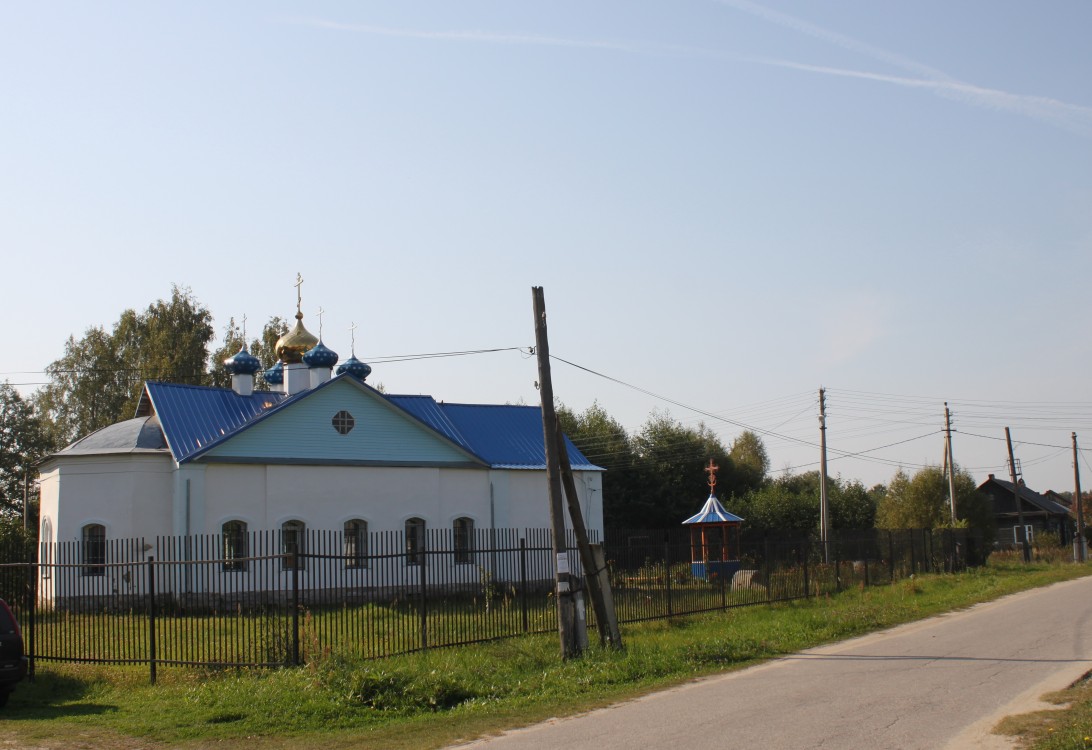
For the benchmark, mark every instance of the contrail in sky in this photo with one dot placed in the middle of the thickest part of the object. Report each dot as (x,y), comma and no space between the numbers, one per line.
(1074,118)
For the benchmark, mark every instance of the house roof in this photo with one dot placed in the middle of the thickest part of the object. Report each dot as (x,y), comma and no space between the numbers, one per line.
(196,418)
(1029,496)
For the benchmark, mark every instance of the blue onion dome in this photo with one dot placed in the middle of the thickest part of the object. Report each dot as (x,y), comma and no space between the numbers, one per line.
(356,368)
(243,363)
(320,356)
(275,374)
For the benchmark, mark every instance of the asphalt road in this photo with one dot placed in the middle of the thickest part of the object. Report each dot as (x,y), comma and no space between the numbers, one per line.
(938,683)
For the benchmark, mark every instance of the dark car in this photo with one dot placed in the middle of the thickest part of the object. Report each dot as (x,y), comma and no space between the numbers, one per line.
(13,663)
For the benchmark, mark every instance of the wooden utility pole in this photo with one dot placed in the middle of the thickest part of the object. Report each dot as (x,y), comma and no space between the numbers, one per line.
(824,514)
(566,609)
(949,460)
(598,584)
(1078,503)
(1016,495)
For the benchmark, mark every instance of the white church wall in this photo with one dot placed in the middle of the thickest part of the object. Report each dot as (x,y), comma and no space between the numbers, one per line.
(530,505)
(325,497)
(129,495)
(146,496)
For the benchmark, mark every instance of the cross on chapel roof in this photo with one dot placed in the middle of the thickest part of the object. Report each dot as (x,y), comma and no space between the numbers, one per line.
(711,470)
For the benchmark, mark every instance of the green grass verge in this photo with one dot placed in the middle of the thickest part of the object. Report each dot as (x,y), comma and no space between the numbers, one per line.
(435,698)
(1068,727)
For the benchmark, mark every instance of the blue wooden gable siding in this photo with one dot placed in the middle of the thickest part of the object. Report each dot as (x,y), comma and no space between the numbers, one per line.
(304,433)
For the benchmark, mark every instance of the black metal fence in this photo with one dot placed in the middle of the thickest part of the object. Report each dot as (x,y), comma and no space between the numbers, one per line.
(267,599)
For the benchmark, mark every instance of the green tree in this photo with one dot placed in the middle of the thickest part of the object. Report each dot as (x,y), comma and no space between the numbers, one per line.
(921,502)
(851,505)
(670,470)
(605,442)
(791,504)
(750,463)
(23,441)
(168,341)
(787,504)
(87,387)
(98,380)
(15,546)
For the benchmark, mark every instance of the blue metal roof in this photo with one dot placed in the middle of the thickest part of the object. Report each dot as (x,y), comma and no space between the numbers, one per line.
(508,437)
(431,413)
(194,416)
(713,512)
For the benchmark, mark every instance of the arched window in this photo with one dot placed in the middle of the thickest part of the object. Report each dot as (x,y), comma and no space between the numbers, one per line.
(93,549)
(236,549)
(45,548)
(292,544)
(463,529)
(415,541)
(356,543)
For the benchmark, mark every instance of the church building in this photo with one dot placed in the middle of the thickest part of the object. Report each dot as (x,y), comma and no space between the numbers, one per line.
(321,450)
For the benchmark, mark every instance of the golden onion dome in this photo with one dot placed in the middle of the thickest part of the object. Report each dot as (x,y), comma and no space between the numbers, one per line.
(293,345)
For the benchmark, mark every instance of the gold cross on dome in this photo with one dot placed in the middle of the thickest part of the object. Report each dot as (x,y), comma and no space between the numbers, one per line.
(711,470)
(299,293)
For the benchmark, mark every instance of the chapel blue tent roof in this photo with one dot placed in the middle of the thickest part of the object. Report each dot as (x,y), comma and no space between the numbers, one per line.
(504,437)
(713,512)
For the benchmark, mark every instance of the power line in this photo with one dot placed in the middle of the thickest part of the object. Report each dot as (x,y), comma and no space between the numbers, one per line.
(742,425)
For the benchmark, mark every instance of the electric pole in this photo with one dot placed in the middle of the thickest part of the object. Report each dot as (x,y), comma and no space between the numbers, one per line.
(1016,495)
(1078,503)
(824,516)
(949,459)
(566,609)
(598,585)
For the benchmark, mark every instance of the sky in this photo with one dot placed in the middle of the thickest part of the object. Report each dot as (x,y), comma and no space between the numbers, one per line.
(729,204)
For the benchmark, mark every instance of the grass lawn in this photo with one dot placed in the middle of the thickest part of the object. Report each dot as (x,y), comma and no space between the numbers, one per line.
(435,698)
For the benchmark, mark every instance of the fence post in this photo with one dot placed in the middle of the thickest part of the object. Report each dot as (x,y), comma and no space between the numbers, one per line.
(837,565)
(295,608)
(523,581)
(151,617)
(667,575)
(32,600)
(723,592)
(865,554)
(806,547)
(769,567)
(423,575)
(913,553)
(891,554)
